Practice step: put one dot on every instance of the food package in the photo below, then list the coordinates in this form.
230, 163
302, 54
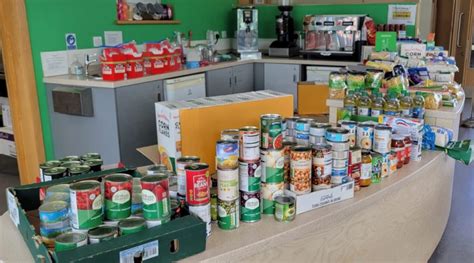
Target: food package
355, 80
442, 136
395, 84
418, 75
370, 30
462, 151
433, 101
383, 55
373, 79
386, 66
429, 138
337, 85
403, 125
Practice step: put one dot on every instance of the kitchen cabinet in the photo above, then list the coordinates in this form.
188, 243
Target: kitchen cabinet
283, 78
230, 80
243, 78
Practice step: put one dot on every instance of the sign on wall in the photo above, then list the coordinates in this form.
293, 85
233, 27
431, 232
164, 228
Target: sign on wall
402, 14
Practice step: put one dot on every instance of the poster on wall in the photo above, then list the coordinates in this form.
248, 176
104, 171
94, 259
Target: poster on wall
402, 14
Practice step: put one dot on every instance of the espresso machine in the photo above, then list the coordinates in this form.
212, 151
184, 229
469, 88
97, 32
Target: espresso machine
285, 45
247, 33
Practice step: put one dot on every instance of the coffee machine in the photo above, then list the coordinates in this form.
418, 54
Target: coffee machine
285, 45
247, 33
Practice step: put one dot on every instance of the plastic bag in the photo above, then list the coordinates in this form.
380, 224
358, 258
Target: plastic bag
429, 138
433, 101
373, 79
462, 151
337, 85
355, 80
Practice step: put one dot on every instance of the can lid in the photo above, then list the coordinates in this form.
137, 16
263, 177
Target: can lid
270, 116
154, 178
54, 170
53, 206
84, 185
248, 128
70, 158
80, 169
70, 164
285, 199
71, 238
338, 130
320, 125
304, 120
366, 125
102, 231
131, 222
196, 166
93, 162
188, 158
119, 177
88, 156
300, 148
50, 164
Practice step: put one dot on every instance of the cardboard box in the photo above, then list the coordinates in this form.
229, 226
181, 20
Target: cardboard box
413, 50
6, 114
320, 198
190, 128
7, 142
312, 98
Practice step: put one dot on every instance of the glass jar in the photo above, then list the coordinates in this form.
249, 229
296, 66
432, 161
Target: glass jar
366, 169
408, 143
398, 147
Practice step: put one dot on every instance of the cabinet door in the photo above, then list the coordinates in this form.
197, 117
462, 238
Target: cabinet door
219, 82
283, 78
243, 78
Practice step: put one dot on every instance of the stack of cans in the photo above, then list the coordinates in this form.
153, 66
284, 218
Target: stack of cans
250, 172
355, 161
302, 131
272, 161
228, 199
338, 138
198, 192
69, 166
181, 163
290, 124
54, 220
317, 133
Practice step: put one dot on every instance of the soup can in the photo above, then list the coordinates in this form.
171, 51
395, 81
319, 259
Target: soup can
249, 176
102, 233
338, 135
268, 193
228, 217
301, 164
69, 241
339, 146
365, 135
118, 196
227, 154
198, 183
351, 127
203, 212
156, 197
271, 129
230, 134
338, 175
86, 204
228, 184
181, 163
131, 225
250, 209
273, 163
382, 139
249, 143
285, 208
287, 145
53, 173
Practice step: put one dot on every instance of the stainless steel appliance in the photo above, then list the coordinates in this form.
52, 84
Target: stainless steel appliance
247, 33
333, 36
285, 45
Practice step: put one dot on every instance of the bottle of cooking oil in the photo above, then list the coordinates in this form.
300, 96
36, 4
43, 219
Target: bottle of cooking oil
378, 105
350, 102
392, 107
406, 104
363, 107
418, 106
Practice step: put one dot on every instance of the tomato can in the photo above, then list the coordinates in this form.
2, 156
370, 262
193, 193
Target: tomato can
271, 136
227, 154
365, 135
102, 233
156, 197
249, 143
285, 208
287, 145
228, 217
268, 193
198, 183
53, 173
69, 241
230, 134
131, 225
351, 127
181, 163
250, 210
228, 184
382, 139
273, 163
249, 176
203, 212
86, 204
118, 196
300, 167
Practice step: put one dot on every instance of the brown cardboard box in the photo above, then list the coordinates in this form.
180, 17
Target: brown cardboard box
312, 98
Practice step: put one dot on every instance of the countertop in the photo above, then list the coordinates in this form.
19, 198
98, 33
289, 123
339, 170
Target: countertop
82, 81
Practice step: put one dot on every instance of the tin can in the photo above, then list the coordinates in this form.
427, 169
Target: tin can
319, 129
287, 145
230, 134
340, 163
382, 139
322, 154
340, 155
249, 176
70, 158
250, 210
268, 193
49, 233
203, 212
57, 197
228, 214
156, 169
227, 154
156, 197
249, 143
354, 172
213, 204
131, 225
285, 208
303, 125
291, 122
273, 162
376, 167
271, 131
385, 170
393, 162
89, 156
118, 196
53, 173
339, 146
86, 204
48, 165
338, 175
94, 164
351, 127
69, 241
102, 233
228, 184
79, 169
302, 138
198, 183
57, 188
365, 135
301, 164
70, 164
355, 155
176, 209
181, 163
53, 212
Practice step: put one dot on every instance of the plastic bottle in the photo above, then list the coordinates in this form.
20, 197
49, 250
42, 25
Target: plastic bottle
418, 106
406, 104
378, 105
363, 107
392, 107
350, 102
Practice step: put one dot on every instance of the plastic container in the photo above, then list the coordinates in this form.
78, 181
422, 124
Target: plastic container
418, 106
350, 102
113, 64
364, 104
366, 169
392, 107
378, 105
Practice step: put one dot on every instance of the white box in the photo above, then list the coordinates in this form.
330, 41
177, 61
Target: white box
320, 198
7, 142
6, 115
413, 50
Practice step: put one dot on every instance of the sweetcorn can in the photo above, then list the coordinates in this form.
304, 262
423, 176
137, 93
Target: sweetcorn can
228, 216
131, 225
155, 197
102, 233
285, 208
181, 163
249, 143
300, 167
198, 184
271, 131
250, 210
250, 173
228, 184
273, 163
227, 154
118, 196
203, 212
86, 204
267, 195
70, 240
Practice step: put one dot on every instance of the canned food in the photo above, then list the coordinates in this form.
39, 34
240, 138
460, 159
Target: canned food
227, 154
249, 176
228, 214
228, 184
319, 129
340, 163
322, 154
272, 165
118, 193
89, 156
285, 208
268, 193
271, 131
57, 197
181, 163
70, 164
250, 209
131, 225
287, 145
302, 138
249, 143
230, 134
382, 139
54, 173
385, 170
365, 134
376, 167
102, 233
340, 155
303, 125
321, 178
198, 183
86, 204
291, 122
355, 172
313, 140
301, 159
49, 232
203, 212
57, 188
156, 197
70, 158
79, 169
47, 165
156, 169
94, 164
69, 241
351, 127
338, 175
339, 146
355, 155
53, 212
214, 204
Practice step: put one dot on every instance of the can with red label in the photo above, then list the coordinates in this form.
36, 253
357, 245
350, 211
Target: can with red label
118, 196
249, 143
198, 184
86, 204
181, 162
354, 173
156, 197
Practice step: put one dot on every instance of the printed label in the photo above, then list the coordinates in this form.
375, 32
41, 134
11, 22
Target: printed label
376, 113
13, 209
363, 111
140, 253
366, 171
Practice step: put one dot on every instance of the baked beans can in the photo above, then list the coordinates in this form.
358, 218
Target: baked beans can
301, 164
385, 170
377, 161
156, 197
69, 241
339, 146
181, 163
118, 196
249, 176
228, 184
249, 143
227, 154
250, 210
102, 233
198, 183
131, 225
230, 134
214, 204
340, 155
355, 155
338, 175
204, 213
351, 127
267, 194
354, 173
285, 208
365, 135
86, 204
287, 145
382, 139
273, 163
228, 214
271, 131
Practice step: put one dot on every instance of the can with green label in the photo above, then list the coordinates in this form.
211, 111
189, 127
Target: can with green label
273, 162
250, 210
131, 225
71, 240
271, 130
285, 208
86, 204
268, 194
155, 197
228, 214
118, 196
250, 173
102, 233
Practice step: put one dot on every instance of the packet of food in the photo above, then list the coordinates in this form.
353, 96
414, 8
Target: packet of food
355, 80
373, 79
461, 150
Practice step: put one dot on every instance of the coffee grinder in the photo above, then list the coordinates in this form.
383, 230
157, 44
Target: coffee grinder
247, 33
285, 45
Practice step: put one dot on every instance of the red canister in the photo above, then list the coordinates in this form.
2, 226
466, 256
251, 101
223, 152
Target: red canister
408, 144
198, 184
398, 147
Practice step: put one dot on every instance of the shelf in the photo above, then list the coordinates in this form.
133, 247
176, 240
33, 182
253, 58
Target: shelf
148, 22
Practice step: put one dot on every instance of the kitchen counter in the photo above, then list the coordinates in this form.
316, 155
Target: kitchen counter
82, 81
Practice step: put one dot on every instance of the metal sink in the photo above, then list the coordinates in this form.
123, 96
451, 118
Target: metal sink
95, 77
